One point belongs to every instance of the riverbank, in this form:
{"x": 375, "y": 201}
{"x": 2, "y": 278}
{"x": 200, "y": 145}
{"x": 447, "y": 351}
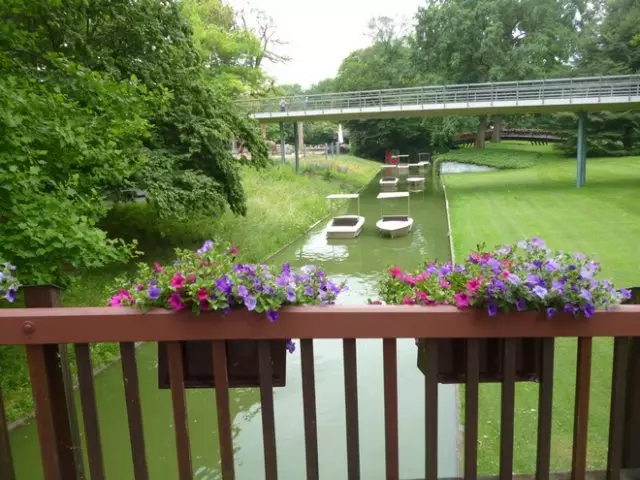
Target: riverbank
{"x": 601, "y": 219}
{"x": 281, "y": 206}
{"x": 505, "y": 155}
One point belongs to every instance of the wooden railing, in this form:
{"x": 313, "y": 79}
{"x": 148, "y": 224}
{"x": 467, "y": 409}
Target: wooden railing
{"x": 42, "y": 330}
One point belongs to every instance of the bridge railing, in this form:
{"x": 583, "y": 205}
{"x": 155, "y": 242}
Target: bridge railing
{"x": 468, "y": 94}
{"x": 42, "y": 330}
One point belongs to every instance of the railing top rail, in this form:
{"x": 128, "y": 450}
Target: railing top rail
{"x": 546, "y": 81}
{"x": 88, "y": 325}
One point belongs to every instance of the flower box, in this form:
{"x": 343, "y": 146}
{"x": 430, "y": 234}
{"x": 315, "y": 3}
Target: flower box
{"x": 527, "y": 276}
{"x": 212, "y": 280}
{"x": 452, "y": 359}
{"x": 242, "y": 364}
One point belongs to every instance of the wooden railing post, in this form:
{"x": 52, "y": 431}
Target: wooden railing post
{"x": 52, "y": 383}
{"x": 631, "y": 429}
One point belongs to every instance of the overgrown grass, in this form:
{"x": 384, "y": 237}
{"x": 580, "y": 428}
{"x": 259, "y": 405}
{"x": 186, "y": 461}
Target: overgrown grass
{"x": 281, "y": 206}
{"x": 505, "y": 155}
{"x": 601, "y": 219}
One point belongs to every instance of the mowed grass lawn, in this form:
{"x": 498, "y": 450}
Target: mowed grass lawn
{"x": 601, "y": 219}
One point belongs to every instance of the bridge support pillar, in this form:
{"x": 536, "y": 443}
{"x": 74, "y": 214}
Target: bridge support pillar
{"x": 282, "y": 145}
{"x": 296, "y": 145}
{"x": 581, "y": 174}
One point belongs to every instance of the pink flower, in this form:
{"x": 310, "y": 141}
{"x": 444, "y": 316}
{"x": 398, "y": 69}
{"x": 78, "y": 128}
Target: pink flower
{"x": 123, "y": 296}
{"x": 395, "y": 272}
{"x": 177, "y": 281}
{"x": 505, "y": 274}
{"x": 473, "y": 284}
{"x": 176, "y": 302}
{"x": 444, "y": 284}
{"x": 409, "y": 279}
{"x": 157, "y": 267}
{"x": 462, "y": 300}
{"x": 423, "y": 276}
{"x": 191, "y": 278}
{"x": 376, "y": 302}
{"x": 203, "y": 294}
{"x": 408, "y": 301}
{"x": 423, "y": 298}
{"x": 139, "y": 287}
{"x": 234, "y": 250}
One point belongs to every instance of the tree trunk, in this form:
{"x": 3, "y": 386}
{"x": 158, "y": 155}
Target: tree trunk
{"x": 482, "y": 127}
{"x": 496, "y": 134}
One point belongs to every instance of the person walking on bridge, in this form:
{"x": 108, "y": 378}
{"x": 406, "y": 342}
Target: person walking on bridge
{"x": 283, "y": 105}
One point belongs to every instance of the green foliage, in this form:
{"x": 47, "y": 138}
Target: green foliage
{"x": 503, "y": 156}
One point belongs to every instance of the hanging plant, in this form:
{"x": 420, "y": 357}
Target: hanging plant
{"x": 212, "y": 279}
{"x": 527, "y": 276}
{"x": 8, "y": 282}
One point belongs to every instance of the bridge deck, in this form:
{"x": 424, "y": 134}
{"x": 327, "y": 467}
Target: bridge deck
{"x": 537, "y": 96}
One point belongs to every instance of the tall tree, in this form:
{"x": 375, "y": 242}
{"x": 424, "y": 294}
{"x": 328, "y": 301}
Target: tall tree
{"x": 469, "y": 41}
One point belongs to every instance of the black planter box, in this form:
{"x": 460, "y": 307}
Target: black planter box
{"x": 242, "y": 364}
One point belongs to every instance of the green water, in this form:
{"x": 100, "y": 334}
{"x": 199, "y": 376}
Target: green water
{"x": 358, "y": 261}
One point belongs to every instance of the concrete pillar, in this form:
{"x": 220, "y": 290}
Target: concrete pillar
{"x": 581, "y": 171}
{"x": 263, "y": 129}
{"x": 282, "y": 147}
{"x": 296, "y": 144}
{"x": 300, "y": 134}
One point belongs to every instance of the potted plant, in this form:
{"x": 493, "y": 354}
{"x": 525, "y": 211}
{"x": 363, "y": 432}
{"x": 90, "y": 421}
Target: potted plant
{"x": 212, "y": 279}
{"x": 8, "y": 283}
{"x": 527, "y": 276}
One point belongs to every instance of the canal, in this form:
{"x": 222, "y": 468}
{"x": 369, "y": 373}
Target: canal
{"x": 356, "y": 261}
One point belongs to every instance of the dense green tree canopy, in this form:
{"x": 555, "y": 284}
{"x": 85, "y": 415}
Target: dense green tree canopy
{"x": 98, "y": 97}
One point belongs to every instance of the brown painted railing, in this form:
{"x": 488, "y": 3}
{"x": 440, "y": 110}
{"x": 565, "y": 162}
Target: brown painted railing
{"x": 42, "y": 330}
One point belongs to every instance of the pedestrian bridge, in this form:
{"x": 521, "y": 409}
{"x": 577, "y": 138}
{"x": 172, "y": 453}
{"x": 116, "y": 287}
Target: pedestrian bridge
{"x": 531, "y": 96}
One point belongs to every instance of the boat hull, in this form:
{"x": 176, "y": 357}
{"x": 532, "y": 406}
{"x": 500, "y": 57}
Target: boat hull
{"x": 345, "y": 226}
{"x": 395, "y": 228}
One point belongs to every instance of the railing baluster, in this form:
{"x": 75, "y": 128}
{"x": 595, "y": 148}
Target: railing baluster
{"x": 581, "y": 416}
{"x": 618, "y": 395}
{"x": 507, "y": 409}
{"x": 351, "y": 407}
{"x": 219, "y": 348}
{"x": 6, "y": 460}
{"x": 389, "y": 356}
{"x": 471, "y": 411}
{"x": 89, "y": 410}
{"x": 268, "y": 420}
{"x": 431, "y": 413}
{"x": 309, "y": 404}
{"x": 37, "y": 360}
{"x": 178, "y": 400}
{"x": 134, "y": 410}
{"x": 545, "y": 408}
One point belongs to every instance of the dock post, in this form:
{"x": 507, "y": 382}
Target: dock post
{"x": 282, "y": 146}
{"x": 581, "y": 174}
{"x": 296, "y": 145}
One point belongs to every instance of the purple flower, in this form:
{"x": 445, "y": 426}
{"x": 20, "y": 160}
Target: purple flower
{"x": 552, "y": 265}
{"x": 626, "y": 294}
{"x": 495, "y": 265}
{"x": 333, "y": 288}
{"x": 492, "y": 309}
{"x": 291, "y": 346}
{"x": 514, "y": 279}
{"x": 154, "y": 292}
{"x": 11, "y": 295}
{"x": 551, "y": 311}
{"x": 578, "y": 256}
{"x": 272, "y": 315}
{"x": 589, "y": 310}
{"x": 586, "y": 294}
{"x": 291, "y": 294}
{"x": 586, "y": 273}
{"x": 521, "y": 304}
{"x": 540, "y": 291}
{"x": 522, "y": 244}
{"x": 459, "y": 268}
{"x": 431, "y": 268}
{"x": 533, "y": 280}
{"x": 570, "y": 309}
{"x": 557, "y": 286}
{"x": 445, "y": 270}
{"x": 243, "y": 292}
{"x": 537, "y": 242}
{"x": 504, "y": 250}
{"x": 224, "y": 284}
{"x": 250, "y": 302}
{"x": 208, "y": 245}
{"x": 283, "y": 280}
{"x": 308, "y": 291}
